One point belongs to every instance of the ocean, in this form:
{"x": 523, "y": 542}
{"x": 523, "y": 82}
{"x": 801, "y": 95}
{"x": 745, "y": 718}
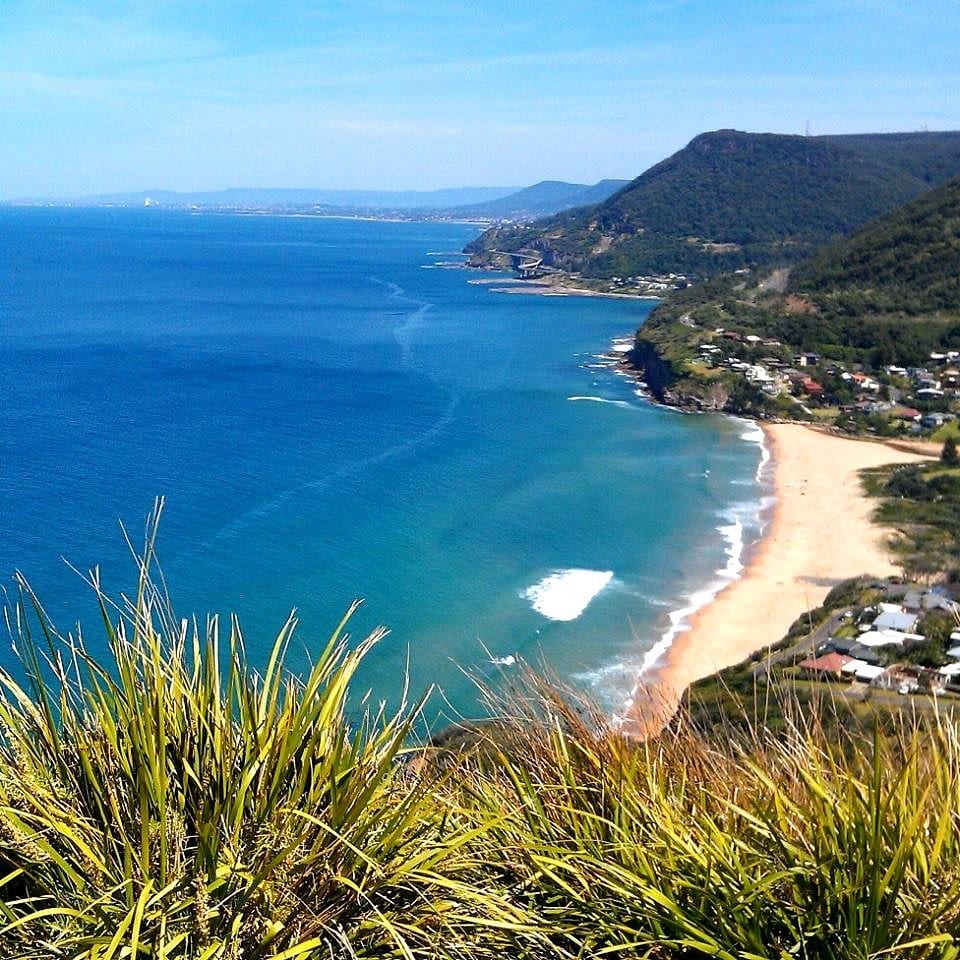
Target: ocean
{"x": 332, "y": 412}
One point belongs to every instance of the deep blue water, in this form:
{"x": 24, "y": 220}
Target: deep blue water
{"x": 330, "y": 416}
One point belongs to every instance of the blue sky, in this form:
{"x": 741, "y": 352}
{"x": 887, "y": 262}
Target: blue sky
{"x": 109, "y": 96}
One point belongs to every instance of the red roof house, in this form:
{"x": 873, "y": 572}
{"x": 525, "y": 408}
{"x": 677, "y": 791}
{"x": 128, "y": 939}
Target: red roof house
{"x": 907, "y": 413}
{"x": 830, "y": 663}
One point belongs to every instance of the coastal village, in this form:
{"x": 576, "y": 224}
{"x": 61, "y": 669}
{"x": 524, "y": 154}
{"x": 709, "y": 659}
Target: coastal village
{"x": 905, "y": 400}
{"x": 908, "y": 640}
{"x": 874, "y": 645}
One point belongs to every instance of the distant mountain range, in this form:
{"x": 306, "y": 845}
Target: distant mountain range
{"x": 731, "y": 199}
{"x": 483, "y": 203}
{"x": 543, "y": 199}
{"x": 268, "y": 198}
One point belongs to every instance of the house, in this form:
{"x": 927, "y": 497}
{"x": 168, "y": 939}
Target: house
{"x": 908, "y": 414}
{"x": 865, "y": 405}
{"x": 926, "y": 601}
{"x": 863, "y": 381}
{"x": 913, "y": 601}
{"x": 811, "y": 387}
{"x": 896, "y": 678}
{"x": 868, "y": 654}
{"x": 863, "y": 671}
{"x": 931, "y": 421}
{"x": 829, "y": 665}
{"x": 900, "y": 620}
{"x": 840, "y": 645}
{"x": 752, "y": 339}
{"x": 806, "y": 359}
{"x": 887, "y": 638}
{"x": 758, "y": 374}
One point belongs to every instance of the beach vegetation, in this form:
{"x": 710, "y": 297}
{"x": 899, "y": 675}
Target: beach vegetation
{"x": 921, "y": 502}
{"x": 949, "y": 453}
{"x": 169, "y": 800}
{"x": 172, "y": 799}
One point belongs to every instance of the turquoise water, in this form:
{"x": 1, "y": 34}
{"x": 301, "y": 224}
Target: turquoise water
{"x": 331, "y": 415}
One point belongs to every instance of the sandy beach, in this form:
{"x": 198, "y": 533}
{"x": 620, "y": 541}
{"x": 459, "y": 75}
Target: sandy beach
{"x": 820, "y": 533}
{"x": 552, "y": 288}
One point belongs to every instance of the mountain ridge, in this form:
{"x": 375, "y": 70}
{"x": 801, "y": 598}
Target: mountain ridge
{"x": 731, "y": 199}
{"x": 544, "y": 199}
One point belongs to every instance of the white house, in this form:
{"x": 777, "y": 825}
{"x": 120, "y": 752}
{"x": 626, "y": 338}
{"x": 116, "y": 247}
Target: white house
{"x": 887, "y": 638}
{"x": 895, "y": 620}
{"x": 861, "y": 670}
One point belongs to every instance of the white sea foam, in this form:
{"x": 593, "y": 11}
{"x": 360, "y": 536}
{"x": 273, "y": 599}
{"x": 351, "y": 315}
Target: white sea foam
{"x": 754, "y": 434}
{"x": 565, "y": 594}
{"x": 616, "y": 403}
{"x": 736, "y": 521}
{"x": 508, "y": 661}
{"x": 621, "y": 346}
{"x": 610, "y": 675}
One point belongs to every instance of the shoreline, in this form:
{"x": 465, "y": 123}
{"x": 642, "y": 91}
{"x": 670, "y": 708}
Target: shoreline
{"x": 818, "y": 533}
{"x": 562, "y": 288}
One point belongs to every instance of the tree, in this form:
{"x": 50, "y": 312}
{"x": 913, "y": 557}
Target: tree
{"x": 949, "y": 455}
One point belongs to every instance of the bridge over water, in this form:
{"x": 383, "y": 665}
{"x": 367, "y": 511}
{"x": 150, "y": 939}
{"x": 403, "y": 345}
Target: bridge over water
{"x": 528, "y": 265}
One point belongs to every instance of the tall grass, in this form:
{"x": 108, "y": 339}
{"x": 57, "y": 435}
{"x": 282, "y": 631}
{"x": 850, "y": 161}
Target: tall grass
{"x": 814, "y": 844}
{"x": 170, "y": 802}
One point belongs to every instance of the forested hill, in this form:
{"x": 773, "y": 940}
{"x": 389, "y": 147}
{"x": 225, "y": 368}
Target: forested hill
{"x": 907, "y": 262}
{"x": 731, "y": 199}
{"x": 889, "y": 295}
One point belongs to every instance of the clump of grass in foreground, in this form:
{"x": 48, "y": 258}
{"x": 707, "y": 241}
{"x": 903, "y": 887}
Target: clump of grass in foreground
{"x": 171, "y": 804}
{"x": 804, "y": 844}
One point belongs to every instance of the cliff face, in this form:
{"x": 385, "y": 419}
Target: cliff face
{"x": 656, "y": 372}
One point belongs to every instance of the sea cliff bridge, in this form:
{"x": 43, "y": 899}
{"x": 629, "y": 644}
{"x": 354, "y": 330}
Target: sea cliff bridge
{"x": 527, "y": 265}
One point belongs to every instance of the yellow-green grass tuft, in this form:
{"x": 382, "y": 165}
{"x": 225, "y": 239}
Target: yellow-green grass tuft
{"x": 171, "y": 802}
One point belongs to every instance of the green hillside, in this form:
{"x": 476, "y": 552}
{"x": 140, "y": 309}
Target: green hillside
{"x": 907, "y": 262}
{"x": 731, "y": 199}
{"x": 887, "y": 295}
